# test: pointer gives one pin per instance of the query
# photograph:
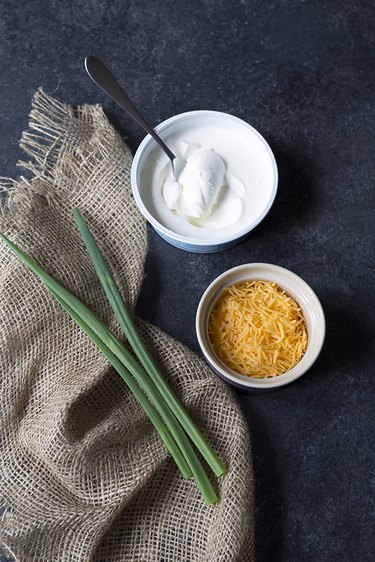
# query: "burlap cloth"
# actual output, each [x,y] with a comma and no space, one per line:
[84,476]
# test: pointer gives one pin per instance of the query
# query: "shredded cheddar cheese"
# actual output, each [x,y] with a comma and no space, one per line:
[256,329]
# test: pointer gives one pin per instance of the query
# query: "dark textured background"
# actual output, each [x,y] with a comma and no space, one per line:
[302,73]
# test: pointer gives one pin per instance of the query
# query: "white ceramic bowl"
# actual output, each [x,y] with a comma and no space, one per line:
[296,288]
[264,189]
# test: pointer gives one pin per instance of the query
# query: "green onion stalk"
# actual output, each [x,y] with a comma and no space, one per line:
[143,388]
[127,323]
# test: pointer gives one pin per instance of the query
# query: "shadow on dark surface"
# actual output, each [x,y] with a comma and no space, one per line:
[269,517]
[5,559]
[348,338]
[294,200]
[147,304]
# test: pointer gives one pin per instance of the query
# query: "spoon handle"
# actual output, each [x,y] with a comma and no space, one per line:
[100,74]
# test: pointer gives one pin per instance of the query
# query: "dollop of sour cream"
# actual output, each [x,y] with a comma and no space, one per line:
[206,193]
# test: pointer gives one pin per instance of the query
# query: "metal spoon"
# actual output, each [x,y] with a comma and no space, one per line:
[100,74]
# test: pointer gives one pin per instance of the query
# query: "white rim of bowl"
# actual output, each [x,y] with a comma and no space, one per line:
[242,380]
[201,241]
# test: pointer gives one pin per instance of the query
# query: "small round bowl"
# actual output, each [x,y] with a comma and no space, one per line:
[297,289]
[263,188]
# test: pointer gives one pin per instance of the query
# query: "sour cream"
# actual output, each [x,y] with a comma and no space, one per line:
[227,185]
[198,187]
[205,194]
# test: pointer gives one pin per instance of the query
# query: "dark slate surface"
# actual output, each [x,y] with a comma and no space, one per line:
[302,73]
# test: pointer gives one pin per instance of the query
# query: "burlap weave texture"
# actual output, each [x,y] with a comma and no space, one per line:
[83,474]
